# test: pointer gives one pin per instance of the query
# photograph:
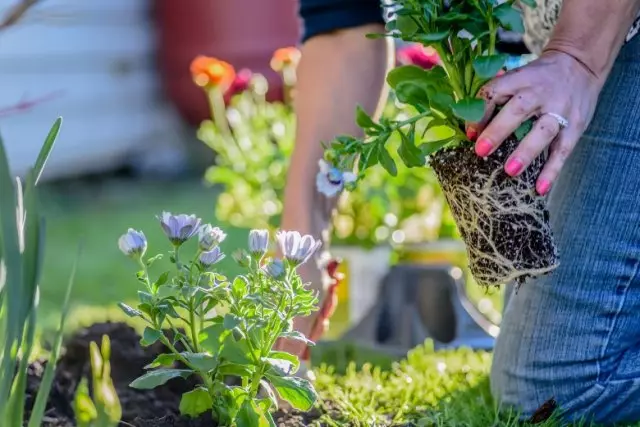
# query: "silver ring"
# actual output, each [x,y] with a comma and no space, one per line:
[562,122]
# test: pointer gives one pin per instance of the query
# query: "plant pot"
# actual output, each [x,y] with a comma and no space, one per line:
[363,271]
[502,220]
[244,33]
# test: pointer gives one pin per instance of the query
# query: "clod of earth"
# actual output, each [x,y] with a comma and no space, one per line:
[502,220]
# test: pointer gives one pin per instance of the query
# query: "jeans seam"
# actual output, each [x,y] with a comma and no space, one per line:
[612,326]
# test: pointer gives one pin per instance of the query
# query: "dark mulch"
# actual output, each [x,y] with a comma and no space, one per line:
[140,408]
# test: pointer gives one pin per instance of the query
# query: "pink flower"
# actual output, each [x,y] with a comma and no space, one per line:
[415,54]
[240,84]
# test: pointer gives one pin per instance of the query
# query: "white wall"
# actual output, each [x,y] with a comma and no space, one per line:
[90,61]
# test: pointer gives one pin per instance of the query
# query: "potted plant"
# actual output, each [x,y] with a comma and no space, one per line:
[254,139]
[504,224]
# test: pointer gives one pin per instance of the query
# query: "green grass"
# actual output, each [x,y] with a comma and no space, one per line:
[447,388]
[96,215]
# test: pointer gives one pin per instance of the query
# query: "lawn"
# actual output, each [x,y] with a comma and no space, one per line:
[95,215]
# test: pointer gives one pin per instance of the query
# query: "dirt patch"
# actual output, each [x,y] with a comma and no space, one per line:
[140,408]
[504,223]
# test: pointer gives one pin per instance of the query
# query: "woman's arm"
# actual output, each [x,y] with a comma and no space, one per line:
[592,31]
[339,69]
[565,81]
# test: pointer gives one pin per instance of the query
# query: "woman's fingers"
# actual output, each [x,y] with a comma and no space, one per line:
[544,131]
[517,110]
[559,153]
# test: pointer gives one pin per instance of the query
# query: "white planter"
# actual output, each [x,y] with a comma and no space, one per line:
[365,270]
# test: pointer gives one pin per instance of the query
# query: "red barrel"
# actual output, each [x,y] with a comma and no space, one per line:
[244,33]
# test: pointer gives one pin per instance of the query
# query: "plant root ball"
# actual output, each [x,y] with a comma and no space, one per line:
[503,221]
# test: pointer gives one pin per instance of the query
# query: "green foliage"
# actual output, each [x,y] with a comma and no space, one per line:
[259,307]
[464,34]
[104,409]
[253,158]
[428,388]
[21,254]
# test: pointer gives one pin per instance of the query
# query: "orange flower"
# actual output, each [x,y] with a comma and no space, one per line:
[212,72]
[285,57]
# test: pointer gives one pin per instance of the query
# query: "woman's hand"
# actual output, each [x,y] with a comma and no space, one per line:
[554,84]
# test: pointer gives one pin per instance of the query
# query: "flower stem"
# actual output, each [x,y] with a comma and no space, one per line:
[218,109]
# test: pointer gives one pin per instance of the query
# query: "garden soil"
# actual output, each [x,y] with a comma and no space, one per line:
[140,408]
[503,222]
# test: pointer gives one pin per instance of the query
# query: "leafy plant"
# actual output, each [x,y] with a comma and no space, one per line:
[104,409]
[21,255]
[443,98]
[258,308]
[254,139]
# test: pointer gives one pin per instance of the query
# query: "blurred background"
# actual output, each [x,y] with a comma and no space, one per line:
[139,137]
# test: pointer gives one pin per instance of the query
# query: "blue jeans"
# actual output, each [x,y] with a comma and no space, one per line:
[575,335]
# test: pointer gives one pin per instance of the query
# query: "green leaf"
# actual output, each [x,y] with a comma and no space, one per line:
[510,18]
[432,37]
[252,416]
[129,311]
[530,3]
[211,338]
[158,377]
[297,391]
[236,351]
[231,321]
[387,161]
[45,151]
[195,402]
[408,152]
[406,25]
[298,336]
[166,360]
[291,359]
[523,129]
[149,336]
[236,369]
[469,109]
[406,73]
[201,361]
[487,67]
[161,280]
[412,94]
[369,156]
[364,120]
[433,146]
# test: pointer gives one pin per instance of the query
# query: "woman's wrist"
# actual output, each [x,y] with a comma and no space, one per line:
[592,32]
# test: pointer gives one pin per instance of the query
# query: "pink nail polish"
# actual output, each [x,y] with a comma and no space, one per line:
[483,147]
[543,187]
[513,167]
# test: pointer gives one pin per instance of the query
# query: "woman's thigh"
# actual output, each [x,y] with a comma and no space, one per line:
[574,335]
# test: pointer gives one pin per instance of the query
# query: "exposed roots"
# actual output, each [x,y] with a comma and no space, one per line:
[504,223]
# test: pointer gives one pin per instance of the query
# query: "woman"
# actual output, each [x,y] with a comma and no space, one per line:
[575,334]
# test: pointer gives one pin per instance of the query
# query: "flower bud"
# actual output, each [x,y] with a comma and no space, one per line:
[297,249]
[209,258]
[258,242]
[133,243]
[209,237]
[275,269]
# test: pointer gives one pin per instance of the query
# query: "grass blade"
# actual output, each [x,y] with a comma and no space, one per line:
[17,398]
[9,240]
[46,149]
[47,378]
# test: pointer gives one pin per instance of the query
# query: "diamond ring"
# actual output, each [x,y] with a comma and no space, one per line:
[562,122]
